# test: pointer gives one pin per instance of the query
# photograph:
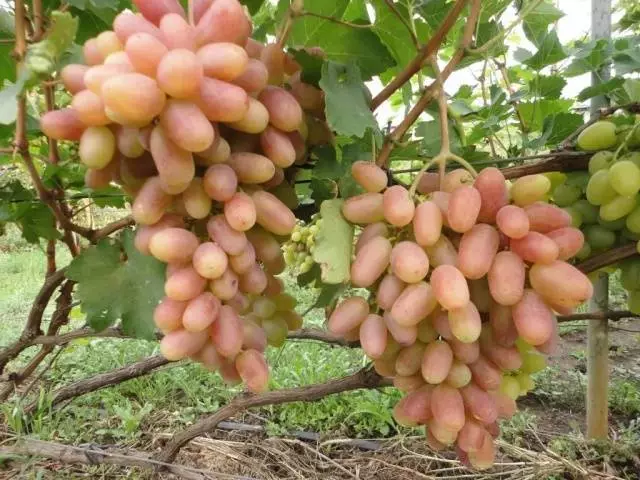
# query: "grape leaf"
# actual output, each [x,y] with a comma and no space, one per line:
[347,108]
[549,87]
[111,288]
[334,243]
[537,22]
[342,43]
[533,114]
[549,52]
[311,66]
[603,88]
[328,294]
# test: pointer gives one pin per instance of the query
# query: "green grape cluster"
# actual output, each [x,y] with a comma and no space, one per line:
[298,252]
[605,201]
[519,382]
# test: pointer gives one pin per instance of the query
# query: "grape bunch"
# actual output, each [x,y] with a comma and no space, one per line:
[193,121]
[464,286]
[605,201]
[298,252]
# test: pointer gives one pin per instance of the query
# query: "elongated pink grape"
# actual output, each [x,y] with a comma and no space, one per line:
[503,328]
[181,344]
[97,147]
[240,212]
[427,224]
[254,336]
[226,332]
[349,314]
[369,176]
[226,286]
[371,262]
[403,335]
[180,73]
[533,319]
[513,221]
[409,359]
[506,358]
[440,321]
[175,165]
[253,370]
[97,179]
[201,312]
[255,119]
[536,248]
[273,215]
[107,42]
[364,209]
[493,192]
[126,24]
[415,408]
[185,284]
[373,336]
[277,147]
[72,77]
[450,287]
[151,202]
[465,352]
[463,209]
[479,404]
[443,252]
[561,283]
[210,261]
[97,76]
[154,10]
[484,457]
[429,183]
[134,97]
[409,262]
[267,249]
[62,124]
[459,375]
[426,331]
[447,407]
[232,241]
[220,182]
[415,303]
[569,240]
[506,278]
[186,125]
[177,32]
[545,218]
[196,201]
[472,436]
[91,54]
[436,362]
[378,229]
[478,248]
[398,207]
[408,384]
[254,281]
[208,357]
[221,101]
[223,21]
[310,98]
[455,179]
[145,233]
[284,111]
[173,245]
[485,373]
[251,168]
[389,290]
[217,153]
[168,315]
[225,61]
[255,77]
[465,323]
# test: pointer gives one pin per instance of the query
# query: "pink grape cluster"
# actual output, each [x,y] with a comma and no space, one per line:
[192,120]
[464,285]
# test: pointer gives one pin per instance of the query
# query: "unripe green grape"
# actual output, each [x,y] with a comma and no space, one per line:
[565,195]
[624,177]
[627,234]
[510,387]
[314,229]
[618,208]
[285,302]
[310,242]
[556,179]
[296,236]
[599,136]
[533,362]
[633,220]
[584,252]
[305,267]
[589,212]
[576,216]
[578,179]
[600,161]
[522,346]
[526,383]
[631,156]
[599,237]
[614,225]
[599,189]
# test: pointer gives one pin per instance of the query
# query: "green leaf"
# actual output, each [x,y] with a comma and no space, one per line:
[341,43]
[309,278]
[632,88]
[323,189]
[328,294]
[113,288]
[393,32]
[334,243]
[549,52]
[536,23]
[549,87]
[252,5]
[43,56]
[560,126]
[432,137]
[22,206]
[534,113]
[311,66]
[9,102]
[589,57]
[346,108]
[604,88]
